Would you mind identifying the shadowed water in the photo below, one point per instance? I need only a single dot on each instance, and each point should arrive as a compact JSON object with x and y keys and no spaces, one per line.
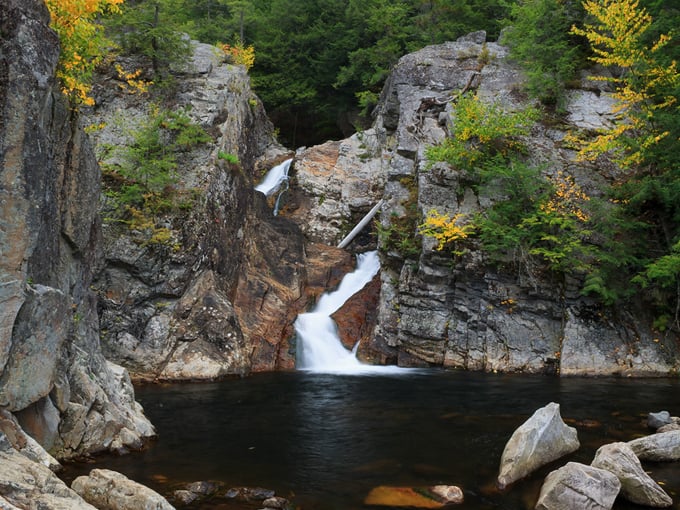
{"x":325,"y":440}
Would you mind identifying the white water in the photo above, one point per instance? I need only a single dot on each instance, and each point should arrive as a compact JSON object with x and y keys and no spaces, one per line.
{"x":320,"y":347}
{"x":274,"y":178}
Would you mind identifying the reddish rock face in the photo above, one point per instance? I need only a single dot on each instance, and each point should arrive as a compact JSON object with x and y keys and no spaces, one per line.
{"x":267,"y":302}
{"x":356,"y":320}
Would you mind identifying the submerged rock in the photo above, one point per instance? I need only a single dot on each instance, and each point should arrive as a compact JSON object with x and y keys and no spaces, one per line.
{"x":436,"y":496}
{"x":636,"y":485}
{"x":109,"y":490}
{"x":578,"y":486}
{"x":249,"y":493}
{"x":543,"y":438}
{"x":276,"y":502}
{"x":660,"y":447}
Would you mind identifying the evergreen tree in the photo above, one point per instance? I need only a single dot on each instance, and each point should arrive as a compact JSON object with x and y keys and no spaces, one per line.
{"x":146,"y":27}
{"x":539,"y":40}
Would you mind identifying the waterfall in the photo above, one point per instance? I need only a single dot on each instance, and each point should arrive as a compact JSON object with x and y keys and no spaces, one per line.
{"x":274,"y":178}
{"x":319,"y":347}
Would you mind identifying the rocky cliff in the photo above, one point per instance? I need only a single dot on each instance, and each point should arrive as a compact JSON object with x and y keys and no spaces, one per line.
{"x":55,"y":383}
{"x":220,"y":300}
{"x":467,"y":313}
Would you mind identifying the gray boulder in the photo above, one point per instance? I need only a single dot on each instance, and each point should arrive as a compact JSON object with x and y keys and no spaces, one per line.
{"x":578,"y":486}
{"x":109,"y":490}
{"x":657,"y":420}
{"x":636,"y":485}
{"x":660,"y":447}
{"x":543,"y":438}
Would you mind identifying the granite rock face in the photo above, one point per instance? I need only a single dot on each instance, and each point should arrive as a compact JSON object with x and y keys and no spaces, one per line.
{"x":465,"y":312}
{"x":53,"y":376}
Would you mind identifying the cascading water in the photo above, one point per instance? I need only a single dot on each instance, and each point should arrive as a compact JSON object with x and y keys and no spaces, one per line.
{"x":274,"y":178}
{"x":319,"y":347}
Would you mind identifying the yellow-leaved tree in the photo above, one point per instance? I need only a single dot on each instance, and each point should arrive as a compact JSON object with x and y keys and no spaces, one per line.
{"x":617,"y":41}
{"x":83,"y":43}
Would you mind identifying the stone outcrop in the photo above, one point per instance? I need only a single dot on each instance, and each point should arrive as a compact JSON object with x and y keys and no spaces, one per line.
{"x":636,"y":485}
{"x":109,"y":490}
{"x":578,"y":486}
{"x":543,"y":438}
{"x":26,"y":484}
{"x":463,"y":312}
{"x":53,"y":377}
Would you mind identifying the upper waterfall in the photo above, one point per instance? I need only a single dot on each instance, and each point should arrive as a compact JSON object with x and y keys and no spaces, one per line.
{"x":272,"y":181}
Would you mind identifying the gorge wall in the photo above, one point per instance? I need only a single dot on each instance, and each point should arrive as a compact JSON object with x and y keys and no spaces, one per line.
{"x":220,"y":298}
{"x":55,"y":383}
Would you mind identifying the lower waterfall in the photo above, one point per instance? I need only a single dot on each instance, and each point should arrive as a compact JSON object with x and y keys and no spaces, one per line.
{"x":319,"y":347}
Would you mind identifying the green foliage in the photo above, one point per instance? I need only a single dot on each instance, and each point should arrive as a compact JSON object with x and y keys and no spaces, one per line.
{"x":539,"y":40}
{"x":143,"y":185}
{"x":480,"y":132}
{"x":400,"y":235}
{"x":535,"y":222}
{"x":642,"y":254}
{"x":147,"y":28}
{"x":228,"y":157}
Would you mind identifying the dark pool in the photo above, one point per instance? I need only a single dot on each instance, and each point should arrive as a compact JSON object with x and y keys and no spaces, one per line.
{"x":325,"y":440}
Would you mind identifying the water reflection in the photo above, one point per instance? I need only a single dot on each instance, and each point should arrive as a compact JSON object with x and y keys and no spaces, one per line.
{"x":329,"y":439}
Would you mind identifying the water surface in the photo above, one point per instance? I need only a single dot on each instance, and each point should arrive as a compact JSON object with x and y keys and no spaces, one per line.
{"x":325,"y":440}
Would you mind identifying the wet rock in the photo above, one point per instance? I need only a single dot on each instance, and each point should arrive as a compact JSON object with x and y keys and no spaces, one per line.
{"x":660,"y":447}
{"x":185,"y":497}
{"x":249,"y":493}
{"x":656,"y":420}
{"x":449,"y":494}
{"x":414,"y":497}
{"x":578,"y":486}
{"x":29,"y":484}
{"x":203,"y":488}
{"x":109,"y":490}
{"x":356,"y":318}
{"x":276,"y":502}
{"x":543,"y":438}
{"x":636,"y":485}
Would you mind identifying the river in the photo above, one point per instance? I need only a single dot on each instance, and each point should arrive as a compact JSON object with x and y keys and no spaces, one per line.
{"x":324,"y":440}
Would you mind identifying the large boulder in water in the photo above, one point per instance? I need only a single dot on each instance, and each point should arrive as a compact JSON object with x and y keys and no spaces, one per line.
{"x":543,"y":438}
{"x":578,"y":486}
{"x":636,"y":485}
{"x":660,"y":447}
